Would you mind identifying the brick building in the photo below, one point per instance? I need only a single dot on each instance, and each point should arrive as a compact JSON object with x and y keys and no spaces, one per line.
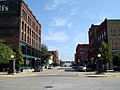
{"x":80,"y":50}
{"x":55,"y":56}
{"x":93,"y":41}
{"x":20,"y":29}
{"x":108,"y":31}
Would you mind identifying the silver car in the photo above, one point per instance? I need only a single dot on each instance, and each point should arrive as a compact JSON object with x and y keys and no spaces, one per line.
{"x":82,"y":68}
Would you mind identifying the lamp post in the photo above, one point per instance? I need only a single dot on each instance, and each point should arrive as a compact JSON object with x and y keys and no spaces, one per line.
{"x":99,"y":66}
{"x":12,"y":66}
{"x":12,"y":57}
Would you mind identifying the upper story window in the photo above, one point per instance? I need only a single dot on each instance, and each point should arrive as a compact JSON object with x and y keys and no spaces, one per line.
{"x":22,"y":25}
{"x":33,"y":25}
{"x":25,"y":27}
{"x":83,"y":49}
{"x":24,"y":14}
{"x":29,"y":20}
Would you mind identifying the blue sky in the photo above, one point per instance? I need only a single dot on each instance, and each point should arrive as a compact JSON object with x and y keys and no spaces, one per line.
{"x":65,"y":23}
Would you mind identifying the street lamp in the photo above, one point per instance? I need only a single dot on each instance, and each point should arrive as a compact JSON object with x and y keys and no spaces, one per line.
{"x":12,"y":56}
{"x":99,"y":68}
{"x":99,"y":55}
{"x":12,"y":65}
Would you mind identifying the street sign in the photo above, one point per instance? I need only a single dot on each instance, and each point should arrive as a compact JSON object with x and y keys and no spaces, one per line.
{"x":27,"y":62}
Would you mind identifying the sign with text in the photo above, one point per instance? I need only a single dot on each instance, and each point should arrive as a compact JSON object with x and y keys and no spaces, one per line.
{"x":4,"y":8}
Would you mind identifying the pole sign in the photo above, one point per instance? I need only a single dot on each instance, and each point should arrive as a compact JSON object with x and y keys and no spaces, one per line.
{"x":27,"y":62}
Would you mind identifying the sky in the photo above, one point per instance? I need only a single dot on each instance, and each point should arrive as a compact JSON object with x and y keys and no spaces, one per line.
{"x":65,"y":23}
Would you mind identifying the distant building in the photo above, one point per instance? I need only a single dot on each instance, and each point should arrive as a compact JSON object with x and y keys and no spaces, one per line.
{"x":93,"y":41}
{"x":55,"y":56}
{"x":80,"y":50}
{"x":20,"y":29}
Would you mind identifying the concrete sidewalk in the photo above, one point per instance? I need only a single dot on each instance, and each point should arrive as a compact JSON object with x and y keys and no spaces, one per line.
{"x":25,"y":73}
{"x":105,"y":75}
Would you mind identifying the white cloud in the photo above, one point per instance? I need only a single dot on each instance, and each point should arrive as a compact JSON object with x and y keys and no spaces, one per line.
{"x":75,"y":11}
{"x":56,"y":3}
{"x":98,"y":16}
{"x":64,"y":22}
{"x":59,"y":36}
{"x":102,"y":16}
{"x":80,"y":36}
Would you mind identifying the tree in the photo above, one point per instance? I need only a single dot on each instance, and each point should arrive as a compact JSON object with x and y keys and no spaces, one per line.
{"x":44,"y":54}
{"x":18,"y":58}
{"x":5,"y":53}
{"x":116,"y":59}
{"x":105,"y":53}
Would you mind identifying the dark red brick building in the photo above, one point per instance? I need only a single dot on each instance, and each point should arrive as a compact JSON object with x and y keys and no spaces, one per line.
{"x":80,"y":50}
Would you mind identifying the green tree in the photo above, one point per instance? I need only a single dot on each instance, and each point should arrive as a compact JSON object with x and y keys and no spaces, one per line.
{"x":105,"y":53}
{"x":44,"y":54}
{"x":5,"y":53}
{"x":116,"y":59}
{"x":19,"y":59}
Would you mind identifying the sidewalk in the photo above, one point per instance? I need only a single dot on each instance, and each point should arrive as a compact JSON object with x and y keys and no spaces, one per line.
{"x":105,"y":75}
{"x":25,"y":73}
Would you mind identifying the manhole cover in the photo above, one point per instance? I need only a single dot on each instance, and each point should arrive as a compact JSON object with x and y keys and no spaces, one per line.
{"x":48,"y":86}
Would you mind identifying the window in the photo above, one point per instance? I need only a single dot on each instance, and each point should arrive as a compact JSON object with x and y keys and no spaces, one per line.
{"x":29,"y":20}
{"x":33,"y":25}
{"x":82,"y":49}
{"x":22,"y":25}
{"x":28,"y":30}
{"x":28,"y":39}
{"x":25,"y":27}
{"x":22,"y":36}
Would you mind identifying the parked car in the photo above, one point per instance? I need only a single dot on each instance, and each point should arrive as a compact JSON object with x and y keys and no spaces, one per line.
{"x":50,"y":67}
{"x":74,"y":67}
{"x":38,"y":69}
{"x":116,"y":68}
{"x":82,"y":68}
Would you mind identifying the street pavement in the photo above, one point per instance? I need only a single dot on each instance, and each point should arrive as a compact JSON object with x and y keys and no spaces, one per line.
{"x":59,"y":78}
{"x":69,"y":71}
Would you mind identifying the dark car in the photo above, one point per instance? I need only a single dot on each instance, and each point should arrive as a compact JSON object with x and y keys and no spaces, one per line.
{"x":74,"y":67}
{"x":38,"y":69}
{"x":116,"y":68}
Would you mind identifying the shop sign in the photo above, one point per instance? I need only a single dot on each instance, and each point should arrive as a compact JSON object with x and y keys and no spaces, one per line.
{"x":4,"y":8}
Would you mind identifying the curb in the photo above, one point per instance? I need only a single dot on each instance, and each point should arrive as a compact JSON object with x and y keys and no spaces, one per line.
{"x":103,"y":76}
{"x":17,"y":75}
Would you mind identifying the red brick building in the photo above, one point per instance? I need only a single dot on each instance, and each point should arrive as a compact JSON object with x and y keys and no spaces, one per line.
{"x":20,"y":29}
{"x":93,"y":40}
{"x":80,"y":50}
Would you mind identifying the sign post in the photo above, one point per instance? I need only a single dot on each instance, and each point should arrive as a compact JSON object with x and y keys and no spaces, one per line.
{"x":27,"y":63}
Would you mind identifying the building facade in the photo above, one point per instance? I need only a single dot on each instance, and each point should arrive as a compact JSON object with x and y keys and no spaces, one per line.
{"x":92,"y":33}
{"x":20,"y":29}
{"x":109,"y":32}
{"x":80,"y":50}
{"x":55,"y":56}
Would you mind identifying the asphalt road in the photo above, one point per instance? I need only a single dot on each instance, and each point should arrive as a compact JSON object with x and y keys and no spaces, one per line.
{"x":59,"y":79}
